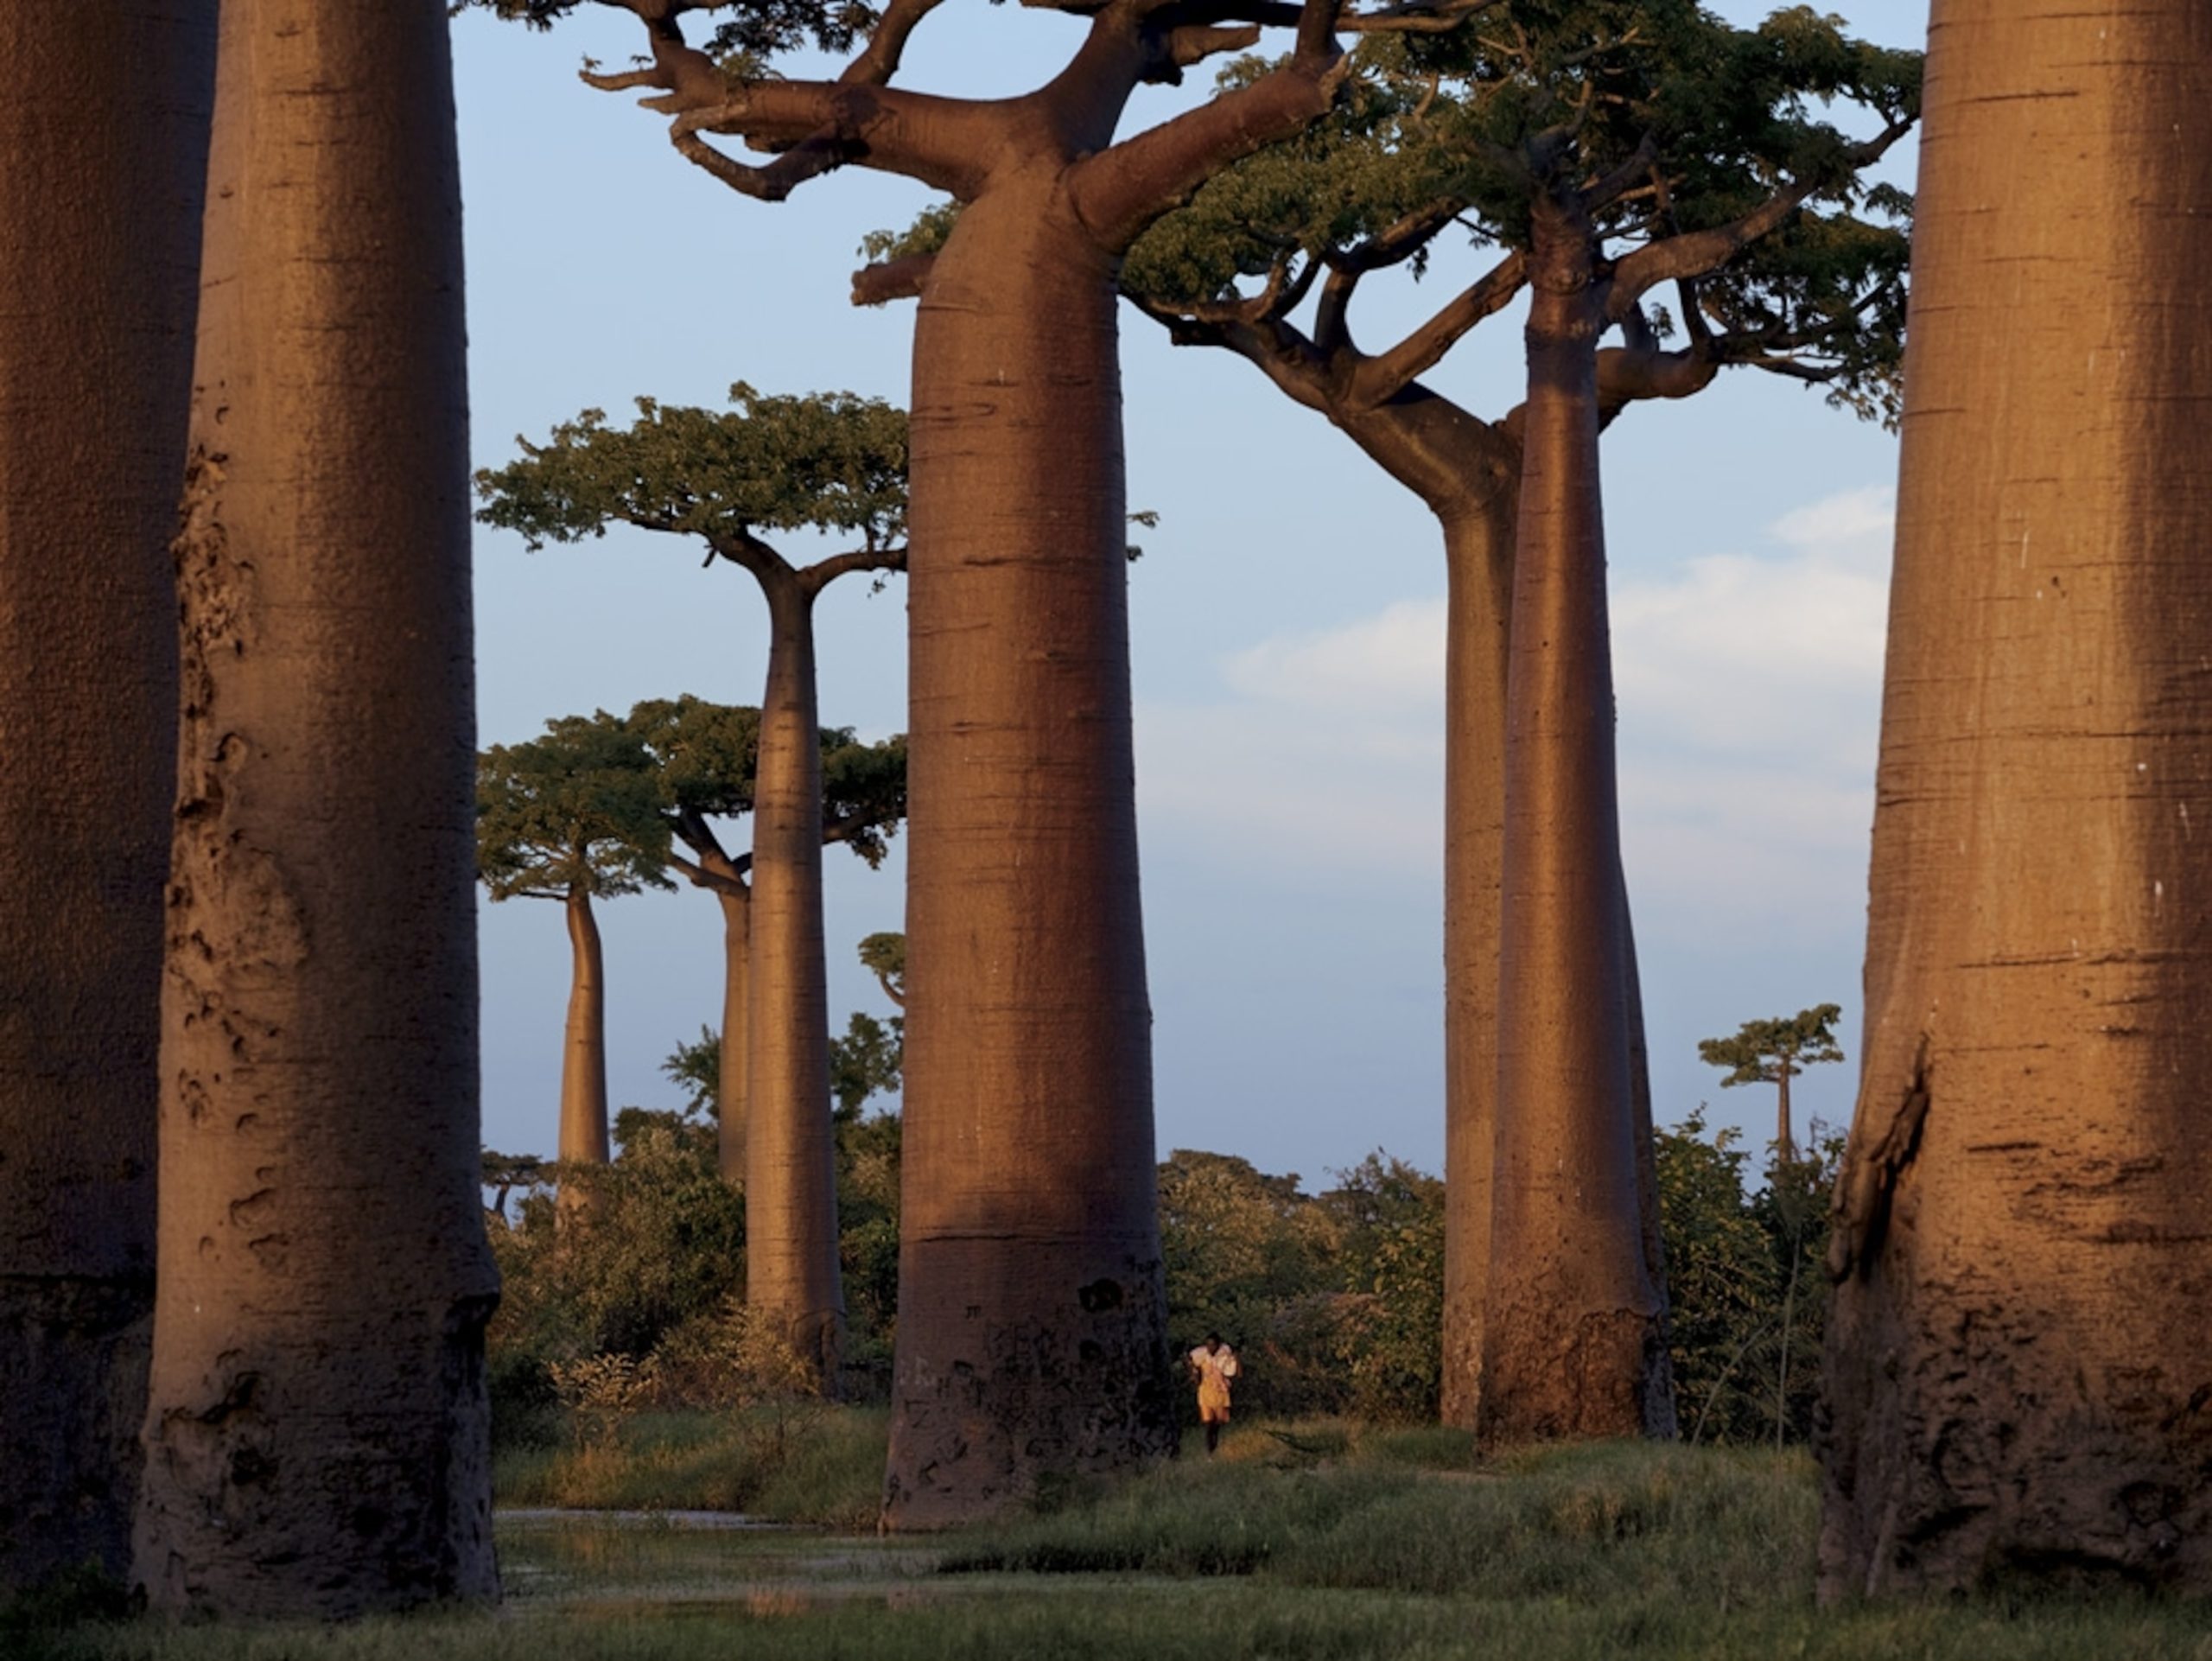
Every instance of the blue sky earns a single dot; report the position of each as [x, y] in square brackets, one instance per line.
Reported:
[1286, 624]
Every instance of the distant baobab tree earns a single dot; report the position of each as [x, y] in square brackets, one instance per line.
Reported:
[2018, 1381]
[103, 116]
[1031, 1336]
[573, 816]
[1773, 1053]
[317, 1434]
[828, 462]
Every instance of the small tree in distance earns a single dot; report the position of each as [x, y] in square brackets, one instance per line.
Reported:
[1774, 1052]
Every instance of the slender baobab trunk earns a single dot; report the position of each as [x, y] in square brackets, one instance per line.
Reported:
[104, 125]
[2017, 1376]
[316, 1439]
[1467, 472]
[583, 1050]
[1031, 1321]
[731, 1086]
[1785, 1142]
[1573, 1340]
[791, 1196]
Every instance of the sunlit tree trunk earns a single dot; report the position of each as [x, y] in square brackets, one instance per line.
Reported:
[104, 126]
[2018, 1381]
[732, 1112]
[316, 1437]
[583, 1133]
[1573, 1338]
[791, 1198]
[1030, 1315]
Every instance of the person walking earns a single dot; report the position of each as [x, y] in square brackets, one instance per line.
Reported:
[1213, 1363]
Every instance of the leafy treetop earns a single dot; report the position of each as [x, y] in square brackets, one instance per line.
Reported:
[577, 810]
[706, 754]
[827, 461]
[1704, 150]
[1767, 1052]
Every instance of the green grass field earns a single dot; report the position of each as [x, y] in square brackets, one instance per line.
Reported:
[1307, 1541]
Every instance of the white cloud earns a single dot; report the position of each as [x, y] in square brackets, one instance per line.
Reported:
[1749, 687]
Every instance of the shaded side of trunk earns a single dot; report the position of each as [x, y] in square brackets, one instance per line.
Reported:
[317, 1434]
[1649, 1219]
[732, 1113]
[2018, 1382]
[104, 123]
[1031, 1329]
[1467, 472]
[791, 1198]
[584, 1139]
[1574, 1343]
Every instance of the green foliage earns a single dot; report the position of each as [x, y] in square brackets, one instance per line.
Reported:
[707, 754]
[1766, 1052]
[1451, 135]
[662, 1244]
[884, 955]
[577, 810]
[824, 461]
[1745, 1284]
[1335, 1301]
[745, 33]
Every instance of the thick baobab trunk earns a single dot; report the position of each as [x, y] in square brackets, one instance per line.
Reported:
[2018, 1377]
[103, 123]
[1032, 1333]
[583, 1049]
[1573, 1339]
[731, 1086]
[791, 1170]
[317, 1436]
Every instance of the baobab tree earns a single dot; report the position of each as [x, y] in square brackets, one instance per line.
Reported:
[574, 816]
[1815, 295]
[830, 462]
[1030, 1325]
[706, 753]
[1773, 1053]
[317, 1434]
[104, 123]
[2017, 1378]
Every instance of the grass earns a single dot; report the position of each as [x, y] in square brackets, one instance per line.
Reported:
[1302, 1542]
[821, 1467]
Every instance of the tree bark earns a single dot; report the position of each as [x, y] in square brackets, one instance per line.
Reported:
[791, 1201]
[104, 123]
[1573, 1339]
[1031, 1334]
[2018, 1381]
[1785, 1144]
[584, 1139]
[317, 1434]
[732, 1109]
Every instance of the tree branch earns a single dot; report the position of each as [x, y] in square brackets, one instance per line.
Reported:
[1120, 190]
[1387, 373]
[892, 279]
[820, 575]
[1697, 253]
[943, 142]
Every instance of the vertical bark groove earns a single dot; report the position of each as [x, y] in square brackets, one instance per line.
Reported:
[104, 123]
[316, 1434]
[2018, 1380]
